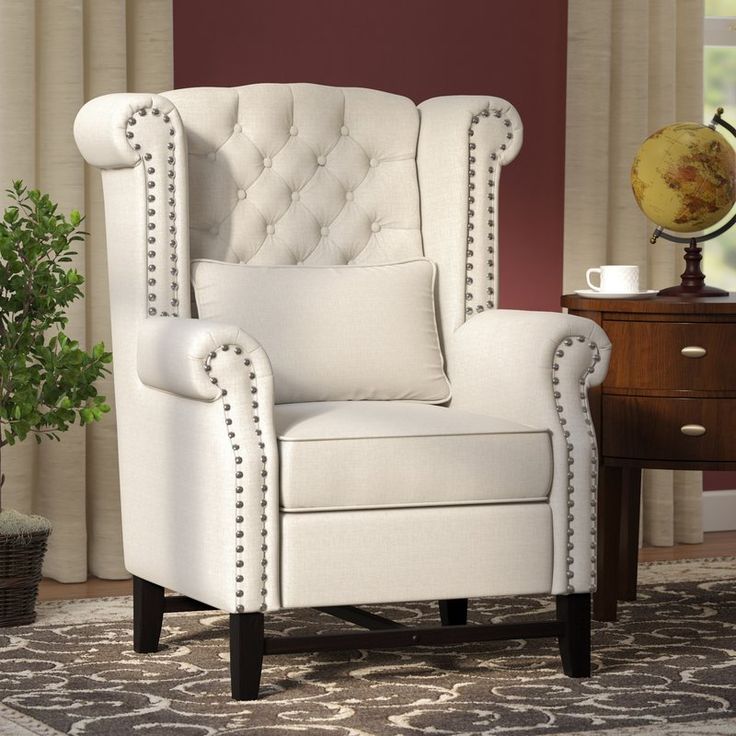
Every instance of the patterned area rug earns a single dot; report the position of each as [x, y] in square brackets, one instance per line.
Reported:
[668, 666]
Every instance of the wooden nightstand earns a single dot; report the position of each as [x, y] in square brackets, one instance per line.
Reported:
[668, 401]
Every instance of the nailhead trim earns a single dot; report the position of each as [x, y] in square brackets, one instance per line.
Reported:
[583, 396]
[480, 290]
[149, 171]
[238, 474]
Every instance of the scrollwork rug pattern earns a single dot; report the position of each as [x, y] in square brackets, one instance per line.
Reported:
[667, 667]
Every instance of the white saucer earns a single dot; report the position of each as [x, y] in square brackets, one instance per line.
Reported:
[590, 294]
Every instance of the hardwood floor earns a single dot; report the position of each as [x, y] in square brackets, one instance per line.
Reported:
[716, 544]
[50, 590]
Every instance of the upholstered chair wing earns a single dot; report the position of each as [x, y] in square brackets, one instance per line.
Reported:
[249, 482]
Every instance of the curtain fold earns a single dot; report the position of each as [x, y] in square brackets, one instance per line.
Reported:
[55, 55]
[633, 67]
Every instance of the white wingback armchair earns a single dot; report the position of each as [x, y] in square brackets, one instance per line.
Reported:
[491, 494]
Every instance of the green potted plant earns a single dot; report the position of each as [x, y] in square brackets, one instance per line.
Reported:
[46, 379]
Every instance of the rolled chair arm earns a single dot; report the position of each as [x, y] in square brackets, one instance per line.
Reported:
[208, 388]
[536, 368]
[504, 350]
[103, 125]
[175, 355]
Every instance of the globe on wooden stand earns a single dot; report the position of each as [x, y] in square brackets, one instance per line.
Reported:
[684, 179]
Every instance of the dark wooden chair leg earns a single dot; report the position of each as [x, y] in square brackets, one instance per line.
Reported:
[246, 654]
[573, 612]
[609, 535]
[454, 612]
[628, 547]
[148, 615]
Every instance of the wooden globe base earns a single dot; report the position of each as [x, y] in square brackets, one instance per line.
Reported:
[693, 279]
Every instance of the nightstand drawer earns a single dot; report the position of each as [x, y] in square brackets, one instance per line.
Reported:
[669, 429]
[678, 356]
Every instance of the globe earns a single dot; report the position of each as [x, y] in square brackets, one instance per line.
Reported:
[684, 177]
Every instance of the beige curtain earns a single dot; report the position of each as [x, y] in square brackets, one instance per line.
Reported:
[55, 55]
[633, 66]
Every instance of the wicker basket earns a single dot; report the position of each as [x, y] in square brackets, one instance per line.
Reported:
[21, 558]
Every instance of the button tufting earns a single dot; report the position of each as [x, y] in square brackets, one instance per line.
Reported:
[375, 227]
[270, 229]
[212, 156]
[241, 193]
[214, 230]
[321, 160]
[344, 130]
[373, 163]
[238, 128]
[293, 130]
[349, 196]
[267, 162]
[325, 231]
[295, 196]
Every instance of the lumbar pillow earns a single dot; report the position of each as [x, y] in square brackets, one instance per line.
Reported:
[334, 333]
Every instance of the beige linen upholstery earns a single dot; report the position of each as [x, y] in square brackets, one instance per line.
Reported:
[414, 455]
[334, 332]
[207, 389]
[301, 173]
[262, 175]
[463, 144]
[538, 366]
[350, 557]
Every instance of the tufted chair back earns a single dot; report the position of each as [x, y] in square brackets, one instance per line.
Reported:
[300, 173]
[296, 174]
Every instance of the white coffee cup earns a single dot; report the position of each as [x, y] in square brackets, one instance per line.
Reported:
[615, 279]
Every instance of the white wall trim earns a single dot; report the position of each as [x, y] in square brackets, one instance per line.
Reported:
[719, 511]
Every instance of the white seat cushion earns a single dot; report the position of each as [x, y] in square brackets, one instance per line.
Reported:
[339, 455]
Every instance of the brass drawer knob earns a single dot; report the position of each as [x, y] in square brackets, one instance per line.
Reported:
[693, 430]
[693, 351]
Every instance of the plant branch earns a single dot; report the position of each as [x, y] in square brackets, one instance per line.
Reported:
[47, 381]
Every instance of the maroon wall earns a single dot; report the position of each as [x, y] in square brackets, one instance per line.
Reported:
[421, 49]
